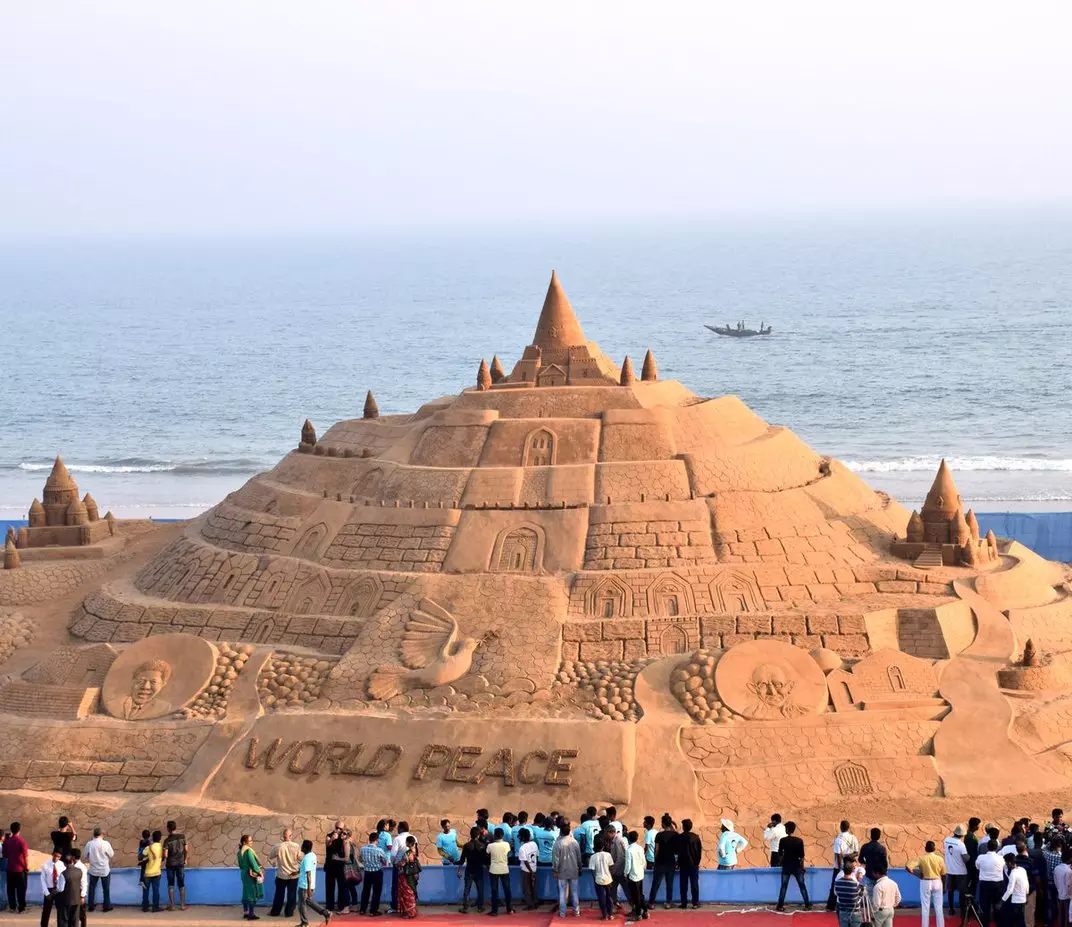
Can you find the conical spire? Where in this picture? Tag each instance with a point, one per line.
(308, 433)
(371, 409)
(37, 510)
(91, 507)
(60, 477)
(483, 376)
(558, 326)
(650, 371)
(973, 524)
(943, 497)
(628, 377)
(497, 372)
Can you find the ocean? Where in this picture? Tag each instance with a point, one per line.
(167, 372)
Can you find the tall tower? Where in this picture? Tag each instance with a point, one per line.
(60, 491)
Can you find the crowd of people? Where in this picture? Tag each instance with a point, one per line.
(1014, 880)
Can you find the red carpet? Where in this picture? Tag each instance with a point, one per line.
(705, 917)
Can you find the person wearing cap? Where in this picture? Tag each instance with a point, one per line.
(730, 843)
(956, 870)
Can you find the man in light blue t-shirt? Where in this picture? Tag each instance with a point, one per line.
(307, 885)
(447, 844)
(545, 839)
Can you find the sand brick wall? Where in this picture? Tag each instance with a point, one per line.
(646, 544)
(402, 548)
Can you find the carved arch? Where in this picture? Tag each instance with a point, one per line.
(518, 550)
(261, 630)
(309, 545)
(359, 599)
(669, 596)
(274, 592)
(673, 640)
(611, 595)
(308, 598)
(541, 448)
(733, 592)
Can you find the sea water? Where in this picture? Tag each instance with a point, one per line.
(167, 372)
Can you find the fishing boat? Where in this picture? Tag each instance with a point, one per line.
(739, 331)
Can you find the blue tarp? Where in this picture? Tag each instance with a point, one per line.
(441, 885)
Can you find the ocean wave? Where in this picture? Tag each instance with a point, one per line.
(982, 463)
(200, 467)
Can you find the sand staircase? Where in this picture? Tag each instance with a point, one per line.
(929, 559)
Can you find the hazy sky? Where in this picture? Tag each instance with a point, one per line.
(189, 116)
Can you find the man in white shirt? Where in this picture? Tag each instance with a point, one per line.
(991, 866)
(956, 870)
(885, 896)
(98, 855)
(528, 855)
(845, 845)
(51, 871)
(1016, 893)
(773, 834)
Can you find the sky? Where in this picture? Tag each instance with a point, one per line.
(123, 117)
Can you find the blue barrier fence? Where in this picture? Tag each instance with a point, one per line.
(440, 885)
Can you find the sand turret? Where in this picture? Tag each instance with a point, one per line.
(371, 410)
(11, 554)
(483, 376)
(63, 519)
(308, 434)
(959, 532)
(973, 524)
(77, 514)
(942, 498)
(91, 507)
(914, 533)
(497, 372)
(992, 543)
(37, 514)
(628, 377)
(650, 370)
(60, 491)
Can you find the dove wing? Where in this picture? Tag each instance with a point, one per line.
(429, 636)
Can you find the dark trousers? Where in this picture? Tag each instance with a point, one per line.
(990, 901)
(634, 891)
(47, 904)
(954, 885)
(500, 883)
(477, 879)
(831, 901)
(286, 891)
(106, 890)
(371, 889)
(776, 859)
(799, 876)
(528, 888)
(658, 874)
(335, 893)
(1013, 914)
(16, 891)
(606, 905)
(150, 884)
(689, 877)
(68, 915)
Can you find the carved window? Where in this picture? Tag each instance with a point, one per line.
(540, 449)
(610, 606)
(518, 552)
(263, 631)
(853, 779)
(674, 640)
(897, 682)
(309, 545)
(306, 606)
(846, 692)
(271, 588)
(609, 598)
(734, 593)
(669, 597)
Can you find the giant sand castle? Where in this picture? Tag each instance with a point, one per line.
(570, 584)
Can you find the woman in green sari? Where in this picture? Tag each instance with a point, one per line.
(249, 867)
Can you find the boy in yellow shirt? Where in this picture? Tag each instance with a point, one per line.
(154, 857)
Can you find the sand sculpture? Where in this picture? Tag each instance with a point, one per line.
(565, 585)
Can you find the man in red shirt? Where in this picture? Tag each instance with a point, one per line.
(17, 855)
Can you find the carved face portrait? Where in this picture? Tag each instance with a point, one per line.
(145, 685)
(772, 692)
